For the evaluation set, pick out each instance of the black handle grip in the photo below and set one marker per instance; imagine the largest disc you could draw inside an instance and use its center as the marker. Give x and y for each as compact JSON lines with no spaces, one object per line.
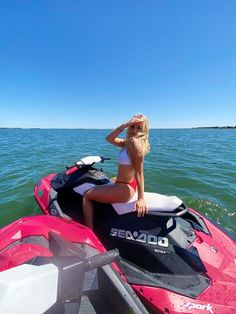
{"x":100,"y":260}
{"x":104,"y":158}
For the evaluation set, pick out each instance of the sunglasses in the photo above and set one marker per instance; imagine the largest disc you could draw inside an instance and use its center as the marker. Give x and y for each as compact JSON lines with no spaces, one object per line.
{"x":136,"y":126}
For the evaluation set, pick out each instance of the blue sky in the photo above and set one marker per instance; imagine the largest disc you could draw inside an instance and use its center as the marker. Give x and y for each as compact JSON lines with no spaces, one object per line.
{"x":74,"y":63}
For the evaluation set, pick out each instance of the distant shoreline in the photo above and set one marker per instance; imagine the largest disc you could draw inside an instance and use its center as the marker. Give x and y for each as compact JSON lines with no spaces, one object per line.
{"x":215,"y":127}
{"x":189,"y":128}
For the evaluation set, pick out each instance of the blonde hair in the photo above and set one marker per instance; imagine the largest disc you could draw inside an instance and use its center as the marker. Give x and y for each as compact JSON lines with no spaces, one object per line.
{"x":142,"y":137}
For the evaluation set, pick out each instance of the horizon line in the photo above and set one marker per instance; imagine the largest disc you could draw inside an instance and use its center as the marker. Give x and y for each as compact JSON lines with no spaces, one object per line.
{"x":108,"y":128}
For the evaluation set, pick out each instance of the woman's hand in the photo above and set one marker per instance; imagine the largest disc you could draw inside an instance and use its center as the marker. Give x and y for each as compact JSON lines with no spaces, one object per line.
{"x":113,"y":179}
{"x":133,"y":121}
{"x":140,"y":207}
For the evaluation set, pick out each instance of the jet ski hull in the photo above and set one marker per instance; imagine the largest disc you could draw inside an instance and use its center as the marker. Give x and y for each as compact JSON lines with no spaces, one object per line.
{"x":175,"y":264}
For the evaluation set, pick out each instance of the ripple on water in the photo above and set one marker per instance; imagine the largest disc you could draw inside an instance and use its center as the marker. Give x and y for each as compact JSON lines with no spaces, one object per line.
{"x":215,"y":212}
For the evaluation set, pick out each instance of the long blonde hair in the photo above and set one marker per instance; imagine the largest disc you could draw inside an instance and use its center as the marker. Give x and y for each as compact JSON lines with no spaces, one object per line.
{"x":142,"y":136}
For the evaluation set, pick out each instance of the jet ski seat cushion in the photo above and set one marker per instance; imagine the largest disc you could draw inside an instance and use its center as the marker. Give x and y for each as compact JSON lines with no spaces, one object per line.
{"x":155,"y":203}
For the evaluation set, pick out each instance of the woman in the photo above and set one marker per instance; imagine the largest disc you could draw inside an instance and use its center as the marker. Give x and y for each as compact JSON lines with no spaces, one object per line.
{"x":130,"y":171}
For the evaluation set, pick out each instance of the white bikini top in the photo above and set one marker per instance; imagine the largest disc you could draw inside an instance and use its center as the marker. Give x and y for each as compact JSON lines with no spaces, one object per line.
{"x":123,"y":158}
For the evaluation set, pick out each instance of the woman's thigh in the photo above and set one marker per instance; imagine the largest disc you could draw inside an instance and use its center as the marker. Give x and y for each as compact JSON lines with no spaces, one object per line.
{"x":115,"y":193}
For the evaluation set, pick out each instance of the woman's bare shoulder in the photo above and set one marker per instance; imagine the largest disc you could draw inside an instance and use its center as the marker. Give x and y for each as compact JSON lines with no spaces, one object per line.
{"x":134,"y":143}
{"x":135,"y":147}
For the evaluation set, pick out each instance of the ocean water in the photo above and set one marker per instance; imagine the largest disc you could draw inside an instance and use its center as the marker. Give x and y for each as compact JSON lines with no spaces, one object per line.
{"x":197,"y":165}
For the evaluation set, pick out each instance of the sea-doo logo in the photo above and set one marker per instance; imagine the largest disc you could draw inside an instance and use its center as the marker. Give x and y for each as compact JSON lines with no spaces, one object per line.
{"x":139,"y":237}
{"x":195,"y":306}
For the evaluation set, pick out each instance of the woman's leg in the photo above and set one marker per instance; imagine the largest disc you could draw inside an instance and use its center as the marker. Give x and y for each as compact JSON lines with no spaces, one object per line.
{"x":88,"y":212}
{"x":114,"y":193}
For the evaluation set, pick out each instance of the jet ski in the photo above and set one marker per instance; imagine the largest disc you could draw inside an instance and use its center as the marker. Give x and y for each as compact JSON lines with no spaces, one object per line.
{"x":56,"y":266}
{"x":176,"y":260}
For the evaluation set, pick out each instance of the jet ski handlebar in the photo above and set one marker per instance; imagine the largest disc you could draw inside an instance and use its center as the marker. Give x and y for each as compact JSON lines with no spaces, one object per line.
{"x":100,"y":260}
{"x":88,"y":161}
{"x":91,"y":160}
{"x":104,"y":158}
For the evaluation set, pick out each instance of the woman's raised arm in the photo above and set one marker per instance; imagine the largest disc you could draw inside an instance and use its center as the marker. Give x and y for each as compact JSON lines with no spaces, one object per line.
{"x":113,"y":138}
